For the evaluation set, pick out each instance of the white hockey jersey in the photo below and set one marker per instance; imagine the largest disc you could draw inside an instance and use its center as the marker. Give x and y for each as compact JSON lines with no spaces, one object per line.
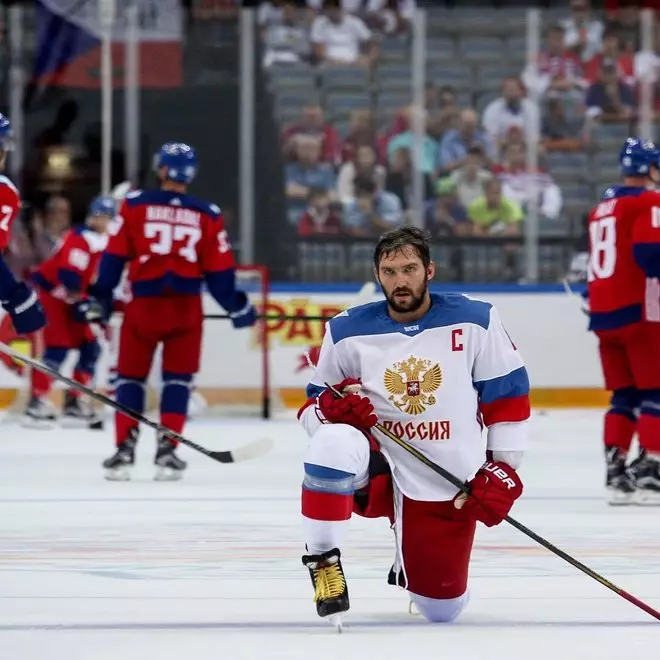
{"x":435,"y":383}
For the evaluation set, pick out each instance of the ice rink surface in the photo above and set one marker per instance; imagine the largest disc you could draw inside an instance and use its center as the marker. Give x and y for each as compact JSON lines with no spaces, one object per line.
{"x":210,"y":567}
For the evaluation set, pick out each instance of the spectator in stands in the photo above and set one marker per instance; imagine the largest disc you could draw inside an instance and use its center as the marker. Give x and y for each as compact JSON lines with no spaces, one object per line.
{"x":493,"y":213}
{"x":469,"y":179}
{"x":558,"y":70}
{"x":519,"y":184}
{"x":57,"y":220}
{"x":445,"y":215}
{"x":364,"y":165}
{"x":441,"y":100}
{"x":399,"y":179}
{"x":372,"y":212}
{"x":610,"y":99}
{"x":447,"y":108}
{"x":625,"y":20}
{"x":456,"y":143}
{"x":407,"y":139}
{"x":338,"y":38}
{"x":306,"y":173}
{"x":270,"y":13}
{"x":582,"y":34}
{"x":510,"y":111}
{"x":321,"y":218}
{"x":390,"y":17}
{"x":362,"y":130}
{"x":287,"y":40}
{"x":610,"y":55}
{"x":647,"y":68}
{"x":349,"y":6}
{"x":558,"y":131}
{"x":312,"y":123}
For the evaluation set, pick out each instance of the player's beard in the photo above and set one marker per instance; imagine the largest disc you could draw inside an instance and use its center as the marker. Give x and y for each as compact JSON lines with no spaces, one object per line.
{"x":412,"y":303}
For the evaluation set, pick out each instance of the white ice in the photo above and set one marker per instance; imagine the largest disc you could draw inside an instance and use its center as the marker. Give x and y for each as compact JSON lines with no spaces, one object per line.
{"x":210,"y":567}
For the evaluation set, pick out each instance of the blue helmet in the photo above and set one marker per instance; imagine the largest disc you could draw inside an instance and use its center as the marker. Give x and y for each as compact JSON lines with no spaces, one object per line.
{"x":102,"y":205}
{"x":180,"y":160}
{"x":6,"y":135}
{"x":637,"y":156}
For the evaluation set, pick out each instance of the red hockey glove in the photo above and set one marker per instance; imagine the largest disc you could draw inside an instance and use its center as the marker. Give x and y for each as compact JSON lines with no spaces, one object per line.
{"x":353,"y":409}
{"x":494,"y":489}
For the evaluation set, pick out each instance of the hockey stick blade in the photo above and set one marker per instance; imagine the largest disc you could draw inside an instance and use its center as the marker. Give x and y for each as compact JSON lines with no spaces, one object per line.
{"x":253,"y":449}
{"x":464,"y":488}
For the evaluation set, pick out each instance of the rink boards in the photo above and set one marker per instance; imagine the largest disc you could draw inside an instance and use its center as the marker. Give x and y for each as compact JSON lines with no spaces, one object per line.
{"x":545,"y":323}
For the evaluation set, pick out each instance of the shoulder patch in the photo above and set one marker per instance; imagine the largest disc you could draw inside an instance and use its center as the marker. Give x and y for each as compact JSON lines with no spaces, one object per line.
{"x":95,"y":241}
{"x":460,"y":308}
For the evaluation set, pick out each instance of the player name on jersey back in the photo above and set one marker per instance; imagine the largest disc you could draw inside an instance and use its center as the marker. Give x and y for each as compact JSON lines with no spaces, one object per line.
{"x":174,"y":215}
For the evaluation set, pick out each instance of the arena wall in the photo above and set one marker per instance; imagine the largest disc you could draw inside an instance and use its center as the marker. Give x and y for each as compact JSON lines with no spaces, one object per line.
{"x":544,"y":322}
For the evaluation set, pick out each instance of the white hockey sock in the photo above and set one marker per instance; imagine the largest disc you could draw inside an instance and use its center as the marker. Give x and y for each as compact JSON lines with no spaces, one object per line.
{"x":324,"y":535}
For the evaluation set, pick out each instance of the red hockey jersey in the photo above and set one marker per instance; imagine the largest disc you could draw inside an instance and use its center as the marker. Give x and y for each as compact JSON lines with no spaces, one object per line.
{"x":10,"y":204}
{"x":624,"y":258}
{"x":170,"y":241}
{"x":70,"y":269}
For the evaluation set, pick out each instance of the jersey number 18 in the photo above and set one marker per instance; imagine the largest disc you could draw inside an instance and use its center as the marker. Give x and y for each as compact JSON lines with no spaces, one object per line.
{"x":602,"y":257}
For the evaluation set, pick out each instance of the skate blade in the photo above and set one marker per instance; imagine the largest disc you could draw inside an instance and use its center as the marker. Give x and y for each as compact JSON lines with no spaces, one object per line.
{"x":119,"y":474}
{"x":74,"y":423}
{"x":622,"y":499}
{"x":168,"y":474}
{"x":335,"y":621}
{"x":648,"y":498}
{"x":38,"y":424}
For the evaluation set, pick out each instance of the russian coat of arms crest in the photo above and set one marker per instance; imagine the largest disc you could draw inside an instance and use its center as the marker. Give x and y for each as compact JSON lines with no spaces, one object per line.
{"x":411,"y":384}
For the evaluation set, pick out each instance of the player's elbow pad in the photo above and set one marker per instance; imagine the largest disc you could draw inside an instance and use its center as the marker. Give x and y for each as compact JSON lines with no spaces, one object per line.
{"x":647,"y":256}
{"x":71,"y":281}
{"x":109,"y":274}
{"x":222,"y":286}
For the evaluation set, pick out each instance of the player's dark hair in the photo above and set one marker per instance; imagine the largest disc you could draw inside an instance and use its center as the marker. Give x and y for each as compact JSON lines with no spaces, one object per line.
{"x":396,"y":240}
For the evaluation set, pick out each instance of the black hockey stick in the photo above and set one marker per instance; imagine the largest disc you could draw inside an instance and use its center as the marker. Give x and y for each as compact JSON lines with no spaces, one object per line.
{"x":251,"y":450}
{"x":464,"y":488}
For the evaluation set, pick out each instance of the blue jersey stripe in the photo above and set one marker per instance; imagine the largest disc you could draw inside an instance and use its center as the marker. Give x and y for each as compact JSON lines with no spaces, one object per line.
{"x":314,"y":390}
{"x":446,"y":309}
{"x":515,"y":383}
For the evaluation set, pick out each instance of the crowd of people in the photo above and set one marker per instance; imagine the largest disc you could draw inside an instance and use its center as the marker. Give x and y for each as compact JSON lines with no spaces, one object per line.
{"x":476,"y":178}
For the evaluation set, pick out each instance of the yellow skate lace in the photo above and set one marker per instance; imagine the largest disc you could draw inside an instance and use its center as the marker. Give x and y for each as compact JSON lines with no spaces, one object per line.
{"x":329,"y":582}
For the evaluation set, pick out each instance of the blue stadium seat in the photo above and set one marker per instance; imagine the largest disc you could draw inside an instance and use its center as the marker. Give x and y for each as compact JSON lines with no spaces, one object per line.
{"x":490,"y":49}
{"x":456,"y":74}
{"x":292,"y":76}
{"x":344,"y":77}
{"x":438,"y":48}
{"x":343,"y":104}
{"x":490,"y":76}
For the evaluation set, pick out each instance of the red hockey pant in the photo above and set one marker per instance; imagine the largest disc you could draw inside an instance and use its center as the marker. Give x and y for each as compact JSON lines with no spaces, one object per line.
{"x":630,"y":356}
{"x":176,"y":321}
{"x":435,"y":542}
{"x":62,"y":330}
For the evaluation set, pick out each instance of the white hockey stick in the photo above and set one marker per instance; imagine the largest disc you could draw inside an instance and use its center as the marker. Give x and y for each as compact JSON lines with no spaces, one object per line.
{"x":251,"y":450}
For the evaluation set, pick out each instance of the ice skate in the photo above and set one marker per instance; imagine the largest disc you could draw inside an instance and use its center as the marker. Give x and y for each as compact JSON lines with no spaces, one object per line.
{"x":119,"y":466}
{"x":169,"y":467}
{"x":77,"y":413}
{"x":39,"y":414}
{"x":330,"y":588}
{"x":646,"y":469}
{"x":620,"y":478}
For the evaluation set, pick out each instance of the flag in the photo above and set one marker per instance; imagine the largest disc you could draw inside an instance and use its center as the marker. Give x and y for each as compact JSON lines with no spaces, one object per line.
{"x":69,"y":43}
